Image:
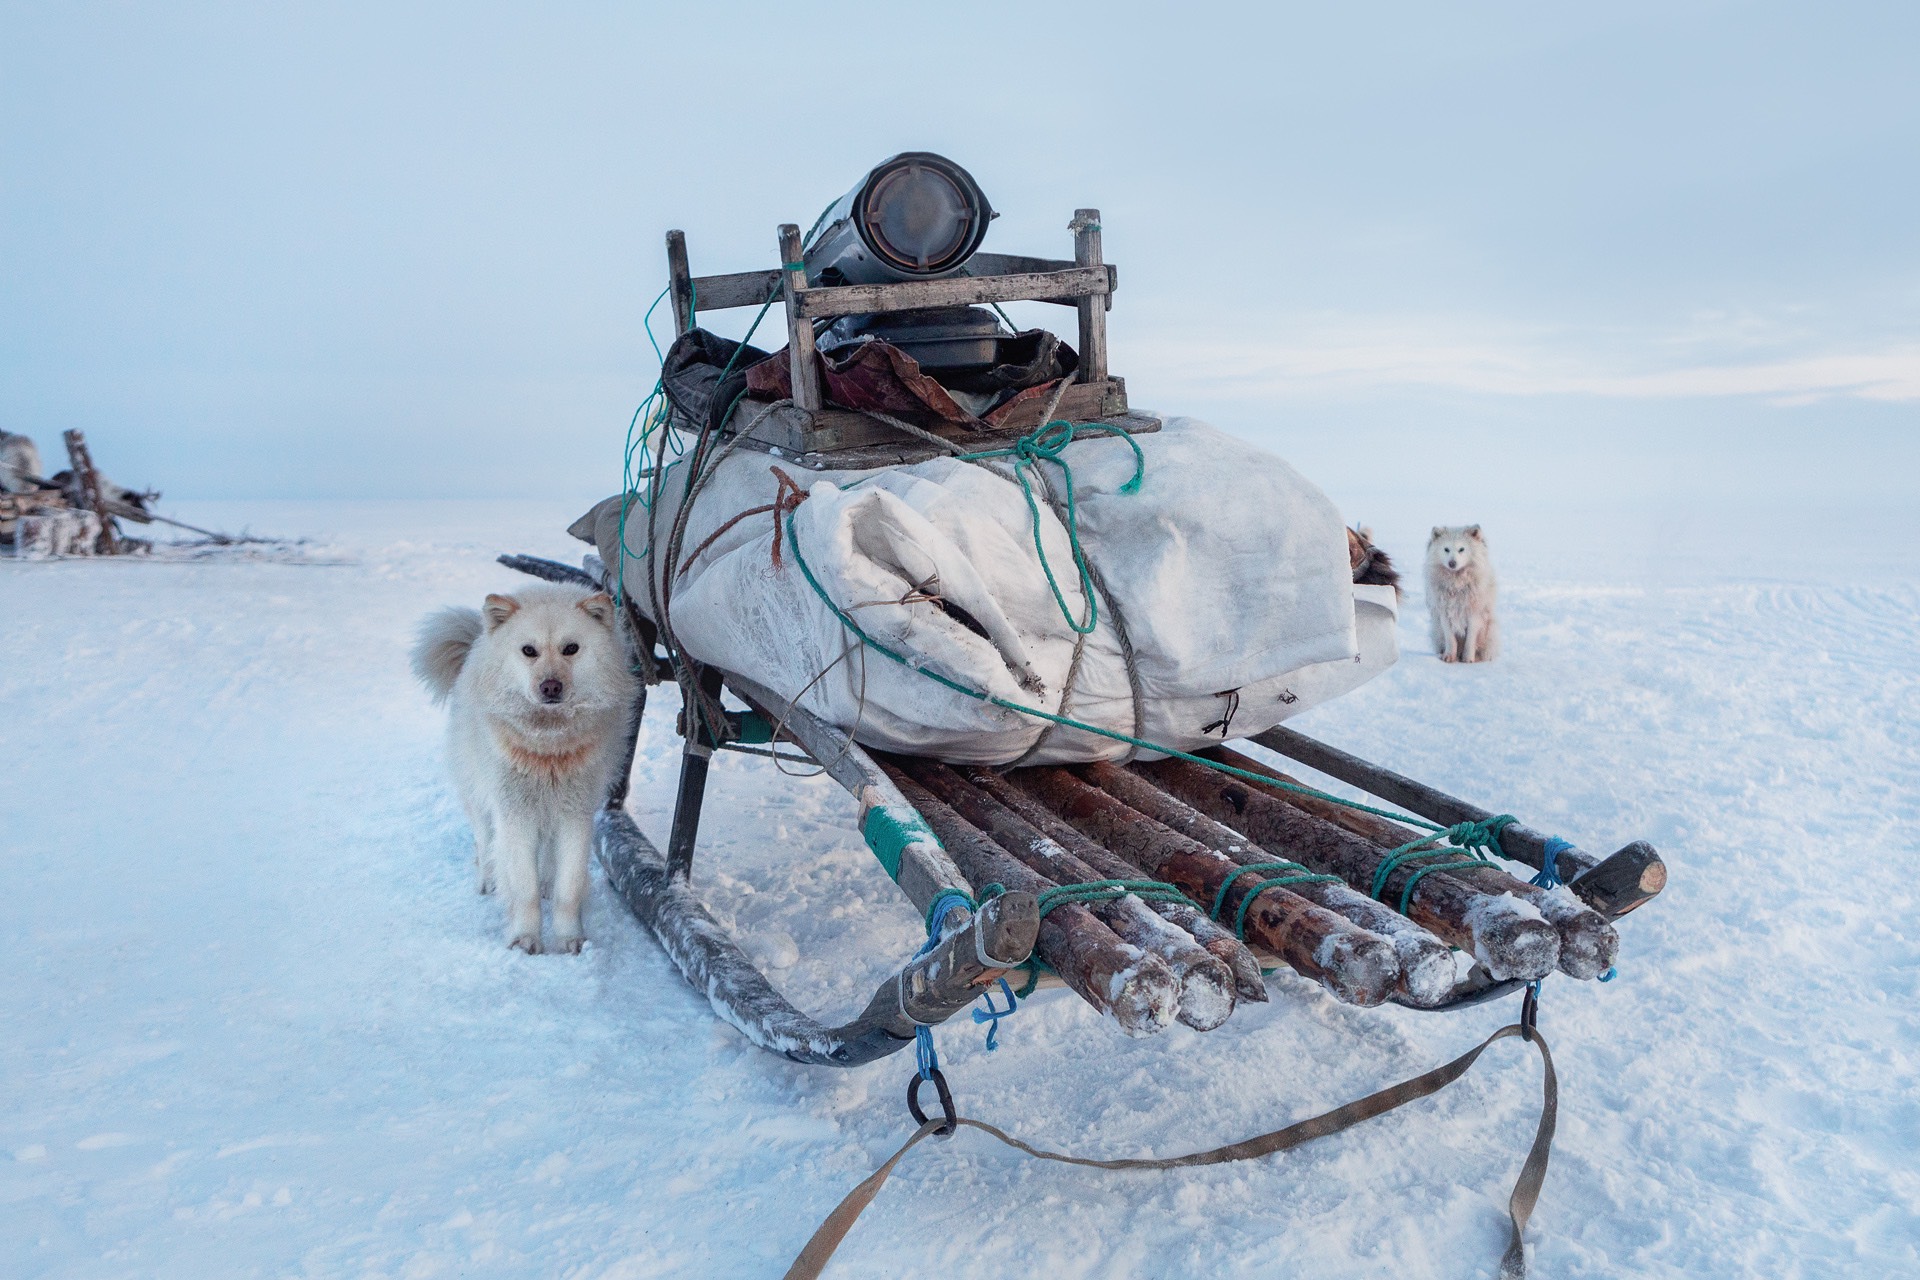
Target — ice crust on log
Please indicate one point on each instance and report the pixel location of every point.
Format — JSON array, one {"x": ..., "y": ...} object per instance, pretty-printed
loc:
[
  {"x": 1136, "y": 989},
  {"x": 1249, "y": 983},
  {"x": 1357, "y": 966},
  {"x": 1206, "y": 984},
  {"x": 1427, "y": 970},
  {"x": 1510, "y": 943},
  {"x": 1588, "y": 944}
]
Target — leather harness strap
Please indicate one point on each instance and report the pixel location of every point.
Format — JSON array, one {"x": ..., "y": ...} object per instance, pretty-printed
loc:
[{"x": 1526, "y": 1191}]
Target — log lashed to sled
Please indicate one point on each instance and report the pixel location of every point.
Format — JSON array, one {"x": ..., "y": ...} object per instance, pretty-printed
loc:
[
  {"x": 1503, "y": 933},
  {"x": 1248, "y": 982},
  {"x": 1206, "y": 984},
  {"x": 1136, "y": 989},
  {"x": 1627, "y": 879},
  {"x": 1357, "y": 966},
  {"x": 1426, "y": 963},
  {"x": 1588, "y": 944}
]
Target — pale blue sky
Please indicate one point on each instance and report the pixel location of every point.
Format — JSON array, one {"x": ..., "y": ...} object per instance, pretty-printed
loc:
[{"x": 404, "y": 250}]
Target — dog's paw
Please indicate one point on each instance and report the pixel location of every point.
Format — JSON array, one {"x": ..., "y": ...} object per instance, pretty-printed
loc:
[
  {"x": 1447, "y": 657},
  {"x": 526, "y": 943},
  {"x": 568, "y": 946}
]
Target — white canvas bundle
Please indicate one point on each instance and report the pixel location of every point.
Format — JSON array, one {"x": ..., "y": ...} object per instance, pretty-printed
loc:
[{"x": 1227, "y": 571}]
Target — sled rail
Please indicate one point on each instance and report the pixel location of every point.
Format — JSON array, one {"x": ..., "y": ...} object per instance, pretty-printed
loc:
[
  {"x": 1627, "y": 879},
  {"x": 1210, "y": 851},
  {"x": 928, "y": 989}
]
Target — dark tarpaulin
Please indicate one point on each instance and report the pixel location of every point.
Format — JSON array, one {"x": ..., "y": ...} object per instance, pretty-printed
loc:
[{"x": 870, "y": 375}]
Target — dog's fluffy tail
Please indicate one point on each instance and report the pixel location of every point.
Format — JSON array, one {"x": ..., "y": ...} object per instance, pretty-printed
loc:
[{"x": 441, "y": 650}]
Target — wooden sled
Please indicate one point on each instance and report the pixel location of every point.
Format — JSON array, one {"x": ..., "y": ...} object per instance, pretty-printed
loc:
[
  {"x": 950, "y": 833},
  {"x": 1157, "y": 891}
]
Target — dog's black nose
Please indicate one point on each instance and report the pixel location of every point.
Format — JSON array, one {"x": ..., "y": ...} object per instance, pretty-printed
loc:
[{"x": 551, "y": 689}]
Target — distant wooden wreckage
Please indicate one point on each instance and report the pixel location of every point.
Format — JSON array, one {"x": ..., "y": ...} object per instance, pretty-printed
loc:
[
  {"x": 76, "y": 512},
  {"x": 1156, "y": 892}
]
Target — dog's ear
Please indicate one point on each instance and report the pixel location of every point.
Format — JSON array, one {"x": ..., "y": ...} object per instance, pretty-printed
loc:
[
  {"x": 599, "y": 607},
  {"x": 498, "y": 609},
  {"x": 1473, "y": 531},
  {"x": 1437, "y": 531}
]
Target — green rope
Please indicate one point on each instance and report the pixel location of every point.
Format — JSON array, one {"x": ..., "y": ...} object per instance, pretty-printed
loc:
[
  {"x": 1106, "y": 891},
  {"x": 1048, "y": 443},
  {"x": 654, "y": 418},
  {"x": 1471, "y": 836},
  {"x": 964, "y": 898},
  {"x": 1290, "y": 873},
  {"x": 1090, "y": 891}
]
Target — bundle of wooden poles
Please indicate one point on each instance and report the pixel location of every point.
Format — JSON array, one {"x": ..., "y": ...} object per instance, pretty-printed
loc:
[{"x": 1221, "y": 840}]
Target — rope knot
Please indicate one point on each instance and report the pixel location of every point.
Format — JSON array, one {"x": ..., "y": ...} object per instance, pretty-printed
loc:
[
  {"x": 1482, "y": 834},
  {"x": 1048, "y": 443}
]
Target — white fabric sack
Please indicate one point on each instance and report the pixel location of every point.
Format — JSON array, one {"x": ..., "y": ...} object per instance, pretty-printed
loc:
[{"x": 1228, "y": 572}]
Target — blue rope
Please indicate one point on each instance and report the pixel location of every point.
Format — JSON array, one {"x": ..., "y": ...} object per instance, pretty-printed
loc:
[
  {"x": 943, "y": 902},
  {"x": 990, "y": 1016},
  {"x": 1549, "y": 876},
  {"x": 924, "y": 1053}
]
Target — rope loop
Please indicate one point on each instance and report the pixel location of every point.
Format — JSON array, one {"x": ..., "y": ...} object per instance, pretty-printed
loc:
[
  {"x": 1549, "y": 875},
  {"x": 943, "y": 902},
  {"x": 1048, "y": 443},
  {"x": 990, "y": 1016},
  {"x": 1290, "y": 872},
  {"x": 1106, "y": 891}
]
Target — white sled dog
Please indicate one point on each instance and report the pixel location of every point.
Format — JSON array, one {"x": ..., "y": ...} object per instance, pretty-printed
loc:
[
  {"x": 541, "y": 699},
  {"x": 1460, "y": 595}
]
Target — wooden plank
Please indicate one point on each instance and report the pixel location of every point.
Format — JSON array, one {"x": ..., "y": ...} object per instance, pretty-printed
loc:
[
  {"x": 804, "y": 365},
  {"x": 752, "y": 288},
  {"x": 680, "y": 282},
  {"x": 88, "y": 480},
  {"x": 1093, "y": 310},
  {"x": 1011, "y": 264},
  {"x": 741, "y": 289},
  {"x": 831, "y": 429},
  {"x": 955, "y": 291}
]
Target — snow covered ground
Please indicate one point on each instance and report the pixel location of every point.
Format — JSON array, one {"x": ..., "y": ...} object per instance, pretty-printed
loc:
[{"x": 256, "y": 1023}]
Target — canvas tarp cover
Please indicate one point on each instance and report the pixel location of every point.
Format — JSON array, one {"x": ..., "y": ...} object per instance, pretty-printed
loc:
[{"x": 1227, "y": 571}]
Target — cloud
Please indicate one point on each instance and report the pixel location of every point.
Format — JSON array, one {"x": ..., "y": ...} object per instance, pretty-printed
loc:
[{"x": 1390, "y": 356}]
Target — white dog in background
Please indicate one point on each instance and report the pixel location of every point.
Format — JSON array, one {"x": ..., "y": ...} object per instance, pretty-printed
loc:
[
  {"x": 542, "y": 698},
  {"x": 1460, "y": 595}
]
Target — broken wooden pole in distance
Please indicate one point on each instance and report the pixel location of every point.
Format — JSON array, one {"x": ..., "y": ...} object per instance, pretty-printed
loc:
[{"x": 81, "y": 462}]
